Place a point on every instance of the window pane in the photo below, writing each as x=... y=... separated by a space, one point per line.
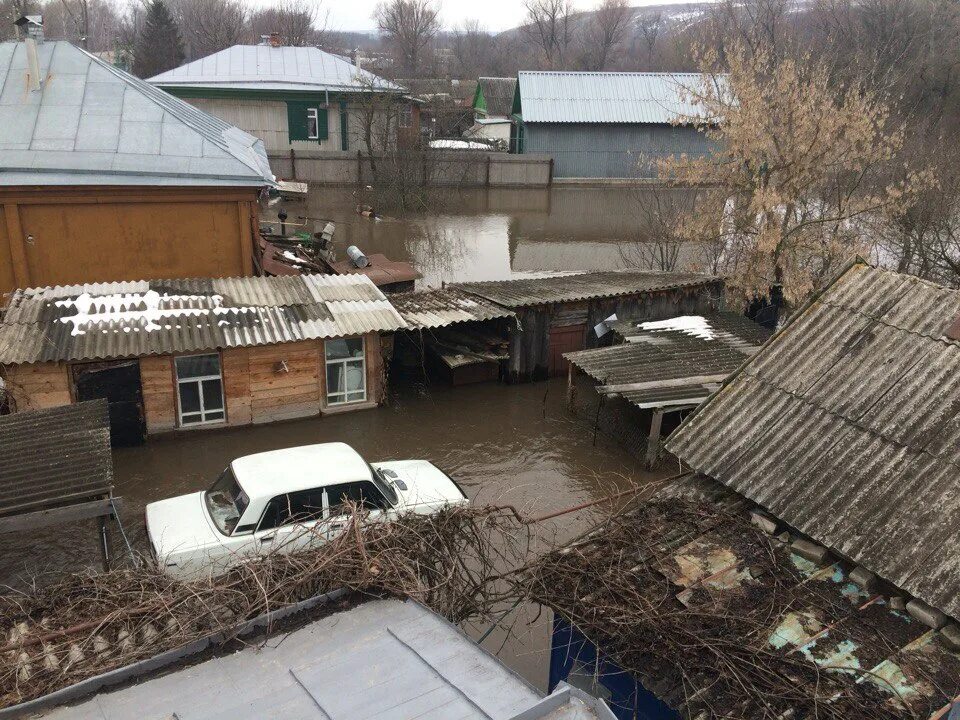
x=307 y=505
x=212 y=397
x=190 y=419
x=218 y=415
x=335 y=379
x=355 y=375
x=344 y=348
x=197 y=366
x=354 y=397
x=312 y=130
x=189 y=397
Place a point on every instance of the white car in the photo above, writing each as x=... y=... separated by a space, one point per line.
x=286 y=500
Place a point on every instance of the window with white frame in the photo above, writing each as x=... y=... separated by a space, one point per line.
x=313 y=124
x=199 y=389
x=346 y=370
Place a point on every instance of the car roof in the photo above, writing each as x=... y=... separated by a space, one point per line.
x=299 y=468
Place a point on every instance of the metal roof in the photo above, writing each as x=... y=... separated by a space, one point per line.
x=264 y=67
x=54 y=457
x=846 y=425
x=131 y=319
x=609 y=97
x=384 y=659
x=524 y=292
x=650 y=369
x=439 y=308
x=93 y=124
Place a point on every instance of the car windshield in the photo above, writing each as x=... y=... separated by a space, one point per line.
x=384 y=485
x=226 y=502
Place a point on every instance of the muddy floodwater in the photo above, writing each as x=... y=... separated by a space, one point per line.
x=504 y=444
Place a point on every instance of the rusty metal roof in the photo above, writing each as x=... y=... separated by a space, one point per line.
x=54 y=457
x=659 y=355
x=846 y=425
x=130 y=319
x=439 y=308
x=523 y=292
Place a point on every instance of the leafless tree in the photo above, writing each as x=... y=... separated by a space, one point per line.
x=299 y=22
x=410 y=27
x=474 y=50
x=604 y=32
x=548 y=25
x=208 y=26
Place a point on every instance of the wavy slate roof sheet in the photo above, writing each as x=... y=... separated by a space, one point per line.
x=608 y=97
x=439 y=308
x=54 y=457
x=130 y=319
x=524 y=292
x=263 y=67
x=91 y=123
x=847 y=426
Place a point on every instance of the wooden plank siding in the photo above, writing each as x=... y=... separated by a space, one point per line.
x=38 y=386
x=159 y=393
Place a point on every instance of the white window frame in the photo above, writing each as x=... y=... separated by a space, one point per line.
x=199 y=382
x=343 y=362
x=313 y=114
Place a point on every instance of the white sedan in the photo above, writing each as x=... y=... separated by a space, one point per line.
x=286 y=500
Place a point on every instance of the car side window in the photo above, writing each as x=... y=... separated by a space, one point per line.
x=275 y=514
x=364 y=494
x=306 y=506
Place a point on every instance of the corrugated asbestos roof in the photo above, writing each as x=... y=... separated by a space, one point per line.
x=524 y=292
x=847 y=426
x=263 y=67
x=609 y=97
x=439 y=308
x=498 y=95
x=385 y=659
x=93 y=124
x=54 y=457
x=130 y=319
x=659 y=356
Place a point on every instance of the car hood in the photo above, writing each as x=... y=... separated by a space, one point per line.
x=426 y=483
x=179 y=523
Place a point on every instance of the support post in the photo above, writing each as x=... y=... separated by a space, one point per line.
x=653 y=442
x=18 y=252
x=293 y=165
x=105 y=541
x=570 y=385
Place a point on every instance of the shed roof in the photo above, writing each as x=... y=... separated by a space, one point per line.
x=665 y=363
x=608 y=97
x=846 y=425
x=497 y=95
x=93 y=124
x=54 y=457
x=439 y=308
x=264 y=67
x=130 y=319
x=386 y=659
x=523 y=292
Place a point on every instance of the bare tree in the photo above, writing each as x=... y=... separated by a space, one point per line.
x=299 y=22
x=604 y=32
x=208 y=26
x=410 y=27
x=548 y=27
x=474 y=50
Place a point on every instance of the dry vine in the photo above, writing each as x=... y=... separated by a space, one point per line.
x=90 y=623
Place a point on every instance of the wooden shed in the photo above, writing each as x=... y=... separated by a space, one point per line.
x=103 y=175
x=182 y=354
x=561 y=314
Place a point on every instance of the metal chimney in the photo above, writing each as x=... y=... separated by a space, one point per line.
x=275 y=39
x=32 y=26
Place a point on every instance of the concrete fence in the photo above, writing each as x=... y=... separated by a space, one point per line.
x=435 y=167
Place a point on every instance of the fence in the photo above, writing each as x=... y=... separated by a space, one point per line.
x=435 y=167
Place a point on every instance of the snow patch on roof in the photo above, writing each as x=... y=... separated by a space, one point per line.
x=694 y=325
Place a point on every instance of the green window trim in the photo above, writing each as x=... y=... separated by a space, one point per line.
x=299 y=115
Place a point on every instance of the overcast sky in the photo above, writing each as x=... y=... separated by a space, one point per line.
x=493 y=14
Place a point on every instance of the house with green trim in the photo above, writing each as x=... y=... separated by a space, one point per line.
x=299 y=98
x=492 y=102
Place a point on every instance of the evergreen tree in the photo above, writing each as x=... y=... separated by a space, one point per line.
x=158 y=47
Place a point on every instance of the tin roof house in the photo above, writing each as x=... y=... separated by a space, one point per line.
x=103 y=175
x=292 y=98
x=605 y=125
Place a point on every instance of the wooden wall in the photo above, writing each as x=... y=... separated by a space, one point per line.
x=57 y=236
x=38 y=386
x=159 y=395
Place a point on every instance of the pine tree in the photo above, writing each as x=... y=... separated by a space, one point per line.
x=158 y=47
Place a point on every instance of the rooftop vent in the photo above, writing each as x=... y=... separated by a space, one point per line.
x=30 y=26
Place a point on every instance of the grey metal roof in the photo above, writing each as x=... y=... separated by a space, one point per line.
x=263 y=67
x=439 y=308
x=524 y=292
x=54 y=457
x=658 y=357
x=498 y=94
x=846 y=425
x=384 y=659
x=91 y=123
x=609 y=97
x=131 y=319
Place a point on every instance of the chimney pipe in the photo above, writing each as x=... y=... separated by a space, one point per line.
x=356 y=58
x=33 y=64
x=275 y=39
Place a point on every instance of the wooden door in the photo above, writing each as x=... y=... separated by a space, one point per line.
x=119 y=383
x=563 y=340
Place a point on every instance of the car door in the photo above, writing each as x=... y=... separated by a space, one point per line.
x=363 y=493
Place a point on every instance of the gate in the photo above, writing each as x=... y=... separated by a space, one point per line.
x=119 y=383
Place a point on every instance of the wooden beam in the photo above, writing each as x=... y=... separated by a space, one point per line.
x=653 y=442
x=18 y=251
x=55 y=516
x=658 y=384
